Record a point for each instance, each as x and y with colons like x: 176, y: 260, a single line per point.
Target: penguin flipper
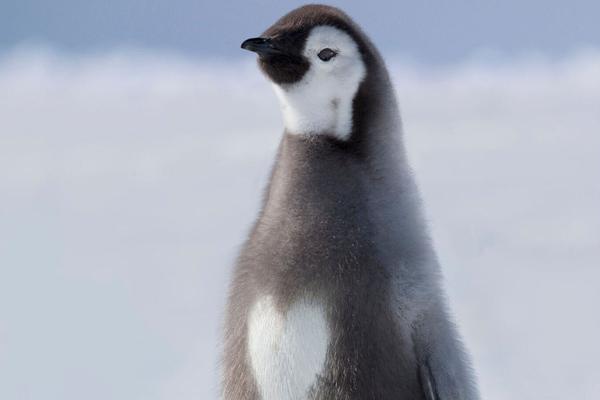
x: 444, y: 369
x: 427, y: 382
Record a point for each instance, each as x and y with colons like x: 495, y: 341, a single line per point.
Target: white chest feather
x: 287, y: 351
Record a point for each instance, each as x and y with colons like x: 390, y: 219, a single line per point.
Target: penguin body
x: 336, y: 293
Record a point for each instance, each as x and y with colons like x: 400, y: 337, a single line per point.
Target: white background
x: 128, y: 181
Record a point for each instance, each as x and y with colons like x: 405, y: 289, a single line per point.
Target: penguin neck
x: 376, y: 119
x: 314, y: 178
x: 318, y: 170
x: 312, y: 113
x: 322, y: 172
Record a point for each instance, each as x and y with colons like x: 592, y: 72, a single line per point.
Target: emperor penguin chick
x: 336, y: 293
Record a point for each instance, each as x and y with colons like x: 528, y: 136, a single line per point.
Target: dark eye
x: 327, y: 54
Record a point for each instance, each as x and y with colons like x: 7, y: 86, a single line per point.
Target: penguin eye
x: 326, y: 54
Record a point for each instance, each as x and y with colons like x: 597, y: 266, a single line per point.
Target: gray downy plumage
x: 340, y: 231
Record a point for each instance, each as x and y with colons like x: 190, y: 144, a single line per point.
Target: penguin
x: 336, y: 293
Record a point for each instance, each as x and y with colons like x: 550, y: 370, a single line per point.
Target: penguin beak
x: 261, y: 46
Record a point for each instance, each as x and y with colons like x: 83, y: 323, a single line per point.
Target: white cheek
x: 287, y: 352
x: 321, y: 102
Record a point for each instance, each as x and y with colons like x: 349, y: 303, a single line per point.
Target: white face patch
x: 321, y: 103
x: 287, y: 352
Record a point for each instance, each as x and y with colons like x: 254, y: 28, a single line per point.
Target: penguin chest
x: 287, y: 351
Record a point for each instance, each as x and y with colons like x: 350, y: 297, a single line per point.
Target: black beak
x: 261, y: 46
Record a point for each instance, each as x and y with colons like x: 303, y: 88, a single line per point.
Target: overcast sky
x: 427, y: 31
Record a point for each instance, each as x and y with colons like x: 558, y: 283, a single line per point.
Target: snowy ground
x: 128, y: 180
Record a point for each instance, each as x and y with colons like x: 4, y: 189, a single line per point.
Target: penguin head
x: 317, y: 58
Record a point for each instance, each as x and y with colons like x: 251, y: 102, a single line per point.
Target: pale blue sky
x: 428, y: 31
